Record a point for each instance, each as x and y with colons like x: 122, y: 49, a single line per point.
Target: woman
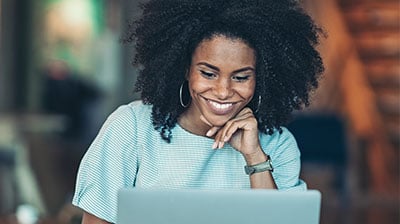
x: 218, y: 80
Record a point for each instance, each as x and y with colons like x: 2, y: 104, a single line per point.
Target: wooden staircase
x: 375, y: 28
x: 362, y: 84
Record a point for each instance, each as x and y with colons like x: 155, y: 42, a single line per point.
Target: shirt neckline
x: 192, y: 135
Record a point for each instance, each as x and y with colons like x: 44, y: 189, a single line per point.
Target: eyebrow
x: 217, y: 69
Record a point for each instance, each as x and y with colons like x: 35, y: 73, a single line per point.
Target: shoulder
x: 135, y: 108
x: 134, y: 111
x: 280, y: 144
x: 279, y: 138
x: 285, y: 138
x: 139, y: 107
x: 126, y: 121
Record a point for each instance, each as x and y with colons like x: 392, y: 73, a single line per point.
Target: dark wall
x: 15, y: 52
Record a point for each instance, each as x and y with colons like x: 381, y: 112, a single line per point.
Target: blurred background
x: 63, y: 69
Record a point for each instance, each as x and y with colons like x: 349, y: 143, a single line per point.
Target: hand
x: 240, y: 132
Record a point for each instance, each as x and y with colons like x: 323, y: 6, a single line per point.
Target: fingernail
x: 208, y: 134
x: 226, y: 139
x: 215, y: 145
x: 221, y: 144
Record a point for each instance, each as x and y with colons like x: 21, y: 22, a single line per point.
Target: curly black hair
x: 283, y: 36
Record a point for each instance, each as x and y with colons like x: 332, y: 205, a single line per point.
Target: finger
x: 212, y: 131
x: 221, y: 136
x: 218, y: 139
x: 244, y: 111
x: 243, y: 125
x: 233, y: 125
x: 243, y: 114
x: 215, y: 145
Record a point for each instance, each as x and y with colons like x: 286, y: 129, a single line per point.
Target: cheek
x: 247, y: 91
x: 197, y: 86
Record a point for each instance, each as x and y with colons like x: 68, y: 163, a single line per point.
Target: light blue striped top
x: 128, y: 152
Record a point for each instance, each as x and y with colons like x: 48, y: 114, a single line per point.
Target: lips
x: 220, y: 108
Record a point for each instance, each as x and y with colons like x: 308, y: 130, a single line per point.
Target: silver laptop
x: 139, y: 206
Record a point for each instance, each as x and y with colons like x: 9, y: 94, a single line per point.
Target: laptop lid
x: 143, y: 206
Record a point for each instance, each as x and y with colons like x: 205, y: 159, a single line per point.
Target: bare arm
x: 91, y: 219
x: 262, y: 179
x: 242, y: 133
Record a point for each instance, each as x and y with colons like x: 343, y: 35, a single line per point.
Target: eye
x: 207, y: 75
x: 241, y: 78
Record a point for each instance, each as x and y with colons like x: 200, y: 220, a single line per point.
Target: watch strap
x: 260, y: 167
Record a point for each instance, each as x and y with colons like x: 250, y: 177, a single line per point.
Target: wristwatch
x: 261, y: 167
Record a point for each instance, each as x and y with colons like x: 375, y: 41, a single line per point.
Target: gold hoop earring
x: 181, y: 98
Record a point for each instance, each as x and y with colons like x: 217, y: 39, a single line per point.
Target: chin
x: 218, y: 121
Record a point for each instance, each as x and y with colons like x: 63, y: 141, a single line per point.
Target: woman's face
x: 221, y: 79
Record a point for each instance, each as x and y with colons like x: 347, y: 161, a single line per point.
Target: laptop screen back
x: 217, y: 206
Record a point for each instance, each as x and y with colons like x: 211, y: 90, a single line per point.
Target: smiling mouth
x: 220, y: 108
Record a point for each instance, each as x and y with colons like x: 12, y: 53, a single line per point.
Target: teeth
x: 220, y: 106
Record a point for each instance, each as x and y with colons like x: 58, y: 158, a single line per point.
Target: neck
x: 193, y: 124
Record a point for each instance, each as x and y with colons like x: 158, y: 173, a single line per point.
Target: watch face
x: 249, y: 170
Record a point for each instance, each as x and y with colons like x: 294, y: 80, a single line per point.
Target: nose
x: 223, y: 89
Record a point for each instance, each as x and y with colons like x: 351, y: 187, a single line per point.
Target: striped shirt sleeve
x: 109, y: 165
x: 286, y: 162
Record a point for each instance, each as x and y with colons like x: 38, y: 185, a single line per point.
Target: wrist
x: 255, y: 158
x: 260, y: 167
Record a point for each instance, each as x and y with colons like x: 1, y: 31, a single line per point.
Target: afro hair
x: 283, y: 36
